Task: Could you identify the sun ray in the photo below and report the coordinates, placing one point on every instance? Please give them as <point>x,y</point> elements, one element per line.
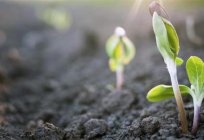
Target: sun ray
<point>133,12</point>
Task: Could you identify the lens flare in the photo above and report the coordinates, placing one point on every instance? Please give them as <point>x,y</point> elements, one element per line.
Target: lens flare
<point>133,12</point>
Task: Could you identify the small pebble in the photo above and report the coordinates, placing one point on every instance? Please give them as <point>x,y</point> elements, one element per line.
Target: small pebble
<point>95,127</point>
<point>150,125</point>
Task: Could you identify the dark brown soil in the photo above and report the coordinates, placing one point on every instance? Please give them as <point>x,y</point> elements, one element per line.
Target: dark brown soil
<point>59,87</point>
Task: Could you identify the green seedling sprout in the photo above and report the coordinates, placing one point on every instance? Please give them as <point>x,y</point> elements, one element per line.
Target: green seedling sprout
<point>168,45</point>
<point>120,51</point>
<point>57,18</point>
<point>195,71</point>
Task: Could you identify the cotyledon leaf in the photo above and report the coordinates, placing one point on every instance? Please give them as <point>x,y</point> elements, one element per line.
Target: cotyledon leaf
<point>161,36</point>
<point>162,92</point>
<point>179,61</point>
<point>166,37</point>
<point>129,50</point>
<point>115,65</point>
<point>172,37</point>
<point>112,64</point>
<point>118,53</point>
<point>111,44</point>
<point>195,71</point>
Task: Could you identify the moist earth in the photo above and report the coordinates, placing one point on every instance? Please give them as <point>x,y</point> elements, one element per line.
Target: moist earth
<point>59,87</point>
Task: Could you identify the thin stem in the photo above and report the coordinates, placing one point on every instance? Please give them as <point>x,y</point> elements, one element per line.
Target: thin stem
<point>196,118</point>
<point>179,101</point>
<point>119,79</point>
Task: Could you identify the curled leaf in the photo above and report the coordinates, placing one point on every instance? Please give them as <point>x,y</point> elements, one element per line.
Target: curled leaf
<point>129,50</point>
<point>166,37</point>
<point>111,44</point>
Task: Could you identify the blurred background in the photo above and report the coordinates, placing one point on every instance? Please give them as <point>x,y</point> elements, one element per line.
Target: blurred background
<point>48,34</point>
<point>70,26</point>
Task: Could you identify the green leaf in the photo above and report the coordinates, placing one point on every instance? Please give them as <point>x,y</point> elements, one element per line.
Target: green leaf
<point>179,61</point>
<point>172,37</point>
<point>129,50</point>
<point>162,92</point>
<point>195,71</point>
<point>114,65</point>
<point>111,44</point>
<point>166,37</point>
<point>118,53</point>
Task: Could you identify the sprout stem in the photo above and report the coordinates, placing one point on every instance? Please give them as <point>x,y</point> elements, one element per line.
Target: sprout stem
<point>179,101</point>
<point>119,79</point>
<point>196,118</point>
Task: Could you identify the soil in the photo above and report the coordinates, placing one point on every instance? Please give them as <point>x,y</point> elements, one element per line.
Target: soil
<point>57,86</point>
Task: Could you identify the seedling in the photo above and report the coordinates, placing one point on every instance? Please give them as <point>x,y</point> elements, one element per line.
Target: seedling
<point>120,51</point>
<point>57,18</point>
<point>195,71</point>
<point>168,45</point>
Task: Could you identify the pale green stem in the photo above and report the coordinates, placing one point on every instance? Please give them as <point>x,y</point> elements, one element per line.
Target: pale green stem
<point>179,101</point>
<point>119,79</point>
<point>196,118</point>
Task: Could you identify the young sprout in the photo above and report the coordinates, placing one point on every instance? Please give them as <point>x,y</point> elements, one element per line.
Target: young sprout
<point>57,18</point>
<point>195,71</point>
<point>120,51</point>
<point>168,45</point>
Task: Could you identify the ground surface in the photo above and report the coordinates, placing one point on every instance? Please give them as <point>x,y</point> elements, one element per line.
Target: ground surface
<point>57,86</point>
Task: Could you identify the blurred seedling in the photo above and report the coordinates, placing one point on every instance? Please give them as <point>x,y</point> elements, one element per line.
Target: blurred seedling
<point>57,18</point>
<point>120,51</point>
<point>168,45</point>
